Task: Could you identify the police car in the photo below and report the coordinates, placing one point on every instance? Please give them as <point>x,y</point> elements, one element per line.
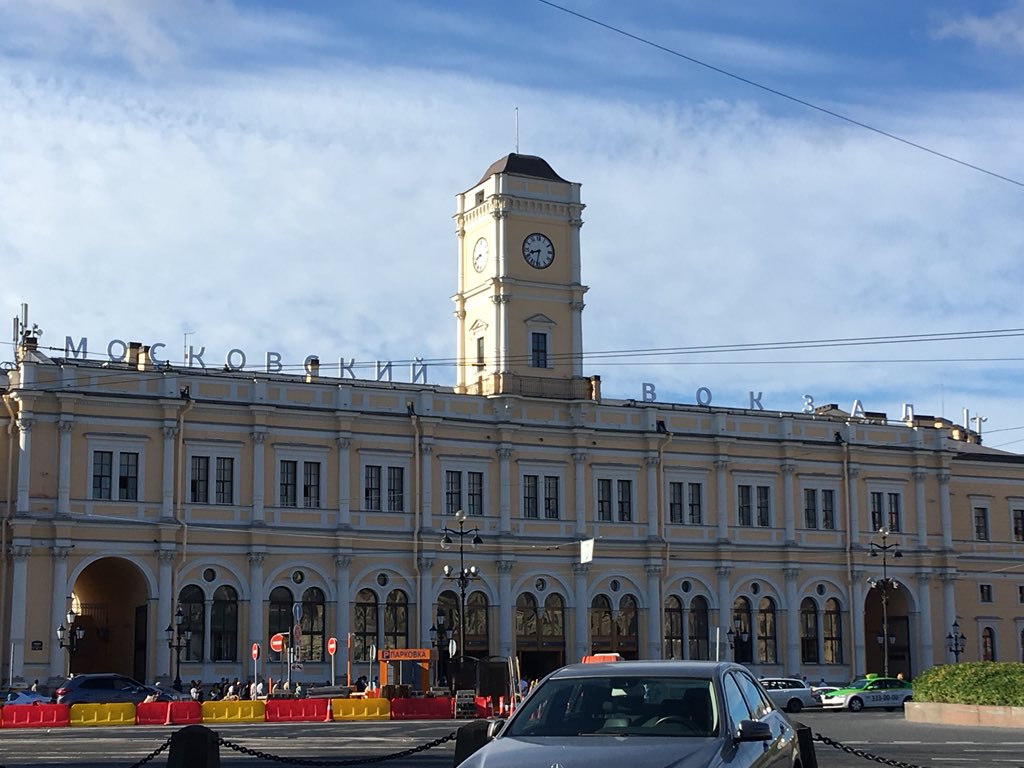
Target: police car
<point>869,691</point>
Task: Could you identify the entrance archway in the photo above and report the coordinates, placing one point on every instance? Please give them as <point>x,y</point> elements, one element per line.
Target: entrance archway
<point>110,598</point>
<point>899,640</point>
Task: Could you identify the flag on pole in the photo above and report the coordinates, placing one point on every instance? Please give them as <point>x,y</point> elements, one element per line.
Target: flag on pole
<point>586,550</point>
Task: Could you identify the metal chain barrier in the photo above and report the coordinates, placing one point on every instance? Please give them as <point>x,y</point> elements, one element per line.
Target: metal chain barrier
<point>862,753</point>
<point>152,754</point>
<point>354,761</point>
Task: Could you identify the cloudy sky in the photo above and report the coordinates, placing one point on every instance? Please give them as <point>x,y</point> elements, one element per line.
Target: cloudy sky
<point>280,176</point>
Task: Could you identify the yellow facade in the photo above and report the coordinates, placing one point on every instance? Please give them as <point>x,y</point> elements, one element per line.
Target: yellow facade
<point>131,490</point>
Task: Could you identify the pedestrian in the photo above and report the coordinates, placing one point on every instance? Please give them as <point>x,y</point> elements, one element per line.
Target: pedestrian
<point>259,689</point>
<point>524,686</point>
<point>35,686</point>
<point>194,691</point>
<point>899,675</point>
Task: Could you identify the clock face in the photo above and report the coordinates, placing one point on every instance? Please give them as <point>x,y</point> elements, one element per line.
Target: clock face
<point>538,250</point>
<point>480,255</point>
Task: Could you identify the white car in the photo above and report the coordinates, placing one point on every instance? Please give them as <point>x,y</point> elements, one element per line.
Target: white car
<point>790,693</point>
<point>870,691</point>
<point>24,697</point>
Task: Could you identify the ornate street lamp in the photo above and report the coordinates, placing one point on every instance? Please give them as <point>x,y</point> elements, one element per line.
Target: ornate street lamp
<point>465,575</point>
<point>885,584</point>
<point>955,642</point>
<point>732,637</point>
<point>439,639</point>
<point>74,635</point>
<point>178,640</point>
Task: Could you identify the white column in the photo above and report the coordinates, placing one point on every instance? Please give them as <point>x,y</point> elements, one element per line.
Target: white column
<point>859,659</point>
<point>170,431</point>
<point>256,631</point>
<point>19,591</point>
<point>792,622</point>
<point>426,484</point>
<point>577,337</point>
<point>788,503</point>
<point>64,427</point>
<point>949,599</point>
<point>579,461</point>
<point>342,621</point>
<point>582,601</point>
<point>921,509</point>
<point>721,498</point>
<point>651,465</point>
<point>945,510</point>
<point>59,605</point>
<point>655,626</point>
<point>926,653</point>
<point>164,611</point>
<point>855,514</point>
<point>506,608</point>
<point>259,437</point>
<point>724,610</point>
<point>344,482</point>
<point>24,464</point>
<point>505,489</point>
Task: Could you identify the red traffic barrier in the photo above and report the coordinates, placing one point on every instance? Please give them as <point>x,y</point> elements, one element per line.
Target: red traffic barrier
<point>34,715</point>
<point>153,713</point>
<point>484,708</point>
<point>297,710</point>
<point>438,708</point>
<point>185,713</point>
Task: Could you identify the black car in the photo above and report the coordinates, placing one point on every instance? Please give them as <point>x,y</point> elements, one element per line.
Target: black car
<point>643,714</point>
<point>108,688</point>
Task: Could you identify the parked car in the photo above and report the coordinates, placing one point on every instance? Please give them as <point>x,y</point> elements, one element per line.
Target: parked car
<point>821,690</point>
<point>108,688</point>
<point>870,691</point>
<point>791,693</point>
<point>642,714</point>
<point>24,697</point>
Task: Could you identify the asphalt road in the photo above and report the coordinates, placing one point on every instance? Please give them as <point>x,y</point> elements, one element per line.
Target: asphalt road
<point>883,734</point>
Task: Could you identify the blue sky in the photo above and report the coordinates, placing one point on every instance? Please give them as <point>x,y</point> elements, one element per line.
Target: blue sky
<point>280,176</point>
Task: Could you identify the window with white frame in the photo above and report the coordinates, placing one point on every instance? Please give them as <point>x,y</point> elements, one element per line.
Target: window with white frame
<point>1017,518</point>
<point>614,500</point>
<point>820,508</point>
<point>886,510</point>
<point>539,329</point>
<point>384,483</point>
<point>541,496</point>
<point>464,489</point>
<point>754,505</point>
<point>686,502</point>
<point>300,477</point>
<point>985,593</point>
<point>980,523</point>
<point>213,469</point>
<point>116,468</point>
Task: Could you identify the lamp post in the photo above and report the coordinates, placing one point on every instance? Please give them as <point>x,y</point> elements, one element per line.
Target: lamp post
<point>465,575</point>
<point>74,635</point>
<point>955,642</point>
<point>885,584</point>
<point>438,638</point>
<point>178,640</point>
<point>733,636</point>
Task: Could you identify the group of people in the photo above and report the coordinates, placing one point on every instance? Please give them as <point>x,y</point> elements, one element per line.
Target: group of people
<point>227,690</point>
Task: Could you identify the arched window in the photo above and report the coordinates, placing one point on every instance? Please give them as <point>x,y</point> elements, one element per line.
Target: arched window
<point>396,620</point>
<point>833,632</point>
<point>673,628</point>
<point>364,632</point>
<point>627,637</point>
<point>313,624</point>
<point>193,605</point>
<point>526,620</point>
<point>280,616</point>
<point>767,650</point>
<point>601,625</point>
<point>552,621</point>
<point>698,629</point>
<point>224,625</point>
<point>988,644</point>
<point>476,625</point>
<point>742,645</point>
<point>808,631</point>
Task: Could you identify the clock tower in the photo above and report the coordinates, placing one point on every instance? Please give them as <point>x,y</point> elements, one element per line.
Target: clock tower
<point>519,306</point>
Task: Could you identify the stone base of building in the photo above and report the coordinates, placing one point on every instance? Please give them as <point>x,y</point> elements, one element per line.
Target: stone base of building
<point>964,714</point>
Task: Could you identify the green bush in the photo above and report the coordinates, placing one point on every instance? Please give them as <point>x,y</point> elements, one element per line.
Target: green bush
<point>988,683</point>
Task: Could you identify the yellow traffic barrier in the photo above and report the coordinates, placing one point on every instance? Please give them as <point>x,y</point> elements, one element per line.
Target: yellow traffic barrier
<point>102,714</point>
<point>243,711</point>
<point>361,709</point>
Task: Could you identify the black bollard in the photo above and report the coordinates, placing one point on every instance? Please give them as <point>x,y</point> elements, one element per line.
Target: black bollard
<point>194,746</point>
<point>470,738</point>
<point>805,740</point>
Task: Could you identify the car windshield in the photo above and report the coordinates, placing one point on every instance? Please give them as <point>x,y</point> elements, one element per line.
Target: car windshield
<point>860,682</point>
<point>604,705</point>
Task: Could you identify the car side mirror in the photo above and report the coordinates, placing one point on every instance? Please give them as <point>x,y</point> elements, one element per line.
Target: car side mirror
<point>493,727</point>
<point>753,730</point>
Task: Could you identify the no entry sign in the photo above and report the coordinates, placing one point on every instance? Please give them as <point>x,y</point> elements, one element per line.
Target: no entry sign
<point>255,651</point>
<point>332,645</point>
<point>277,643</point>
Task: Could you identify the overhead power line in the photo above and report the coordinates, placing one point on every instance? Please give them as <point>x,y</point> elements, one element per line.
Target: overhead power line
<point>781,94</point>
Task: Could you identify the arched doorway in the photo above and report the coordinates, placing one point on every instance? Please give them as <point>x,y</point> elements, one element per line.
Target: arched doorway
<point>895,618</point>
<point>110,598</point>
<point>540,634</point>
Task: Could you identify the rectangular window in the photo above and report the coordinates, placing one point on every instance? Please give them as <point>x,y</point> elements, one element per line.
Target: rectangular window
<point>311,484</point>
<point>538,350</point>
<point>1020,593</point>
<point>455,481</point>
<point>820,508</point>
<point>685,503</point>
<point>200,481</point>
<point>480,353</point>
<point>980,524</point>
<point>102,474</point>
<point>551,498</point>
<point>810,508</point>
<point>289,483</point>
<point>604,500</point>
<point>675,502</point>
<point>828,510</point>
<point>894,512</point>
<point>225,480</point>
<point>985,593</point>
<point>696,504</point>
<point>1018,525</point>
<point>396,489</point>
<point>475,497</point>
<point>452,492</point>
<point>764,510</point>
<point>371,488</point>
<point>744,506</point>
<point>128,478</point>
<point>625,500</point>
<point>876,511</point>
<point>530,497</point>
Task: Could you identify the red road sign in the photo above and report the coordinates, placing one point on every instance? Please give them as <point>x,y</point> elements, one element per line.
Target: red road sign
<point>332,645</point>
<point>255,651</point>
<point>277,643</point>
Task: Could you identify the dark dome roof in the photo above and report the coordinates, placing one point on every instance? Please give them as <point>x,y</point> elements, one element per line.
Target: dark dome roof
<point>523,165</point>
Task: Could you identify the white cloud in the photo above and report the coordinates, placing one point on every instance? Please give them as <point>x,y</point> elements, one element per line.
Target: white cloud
<point>1003,30</point>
